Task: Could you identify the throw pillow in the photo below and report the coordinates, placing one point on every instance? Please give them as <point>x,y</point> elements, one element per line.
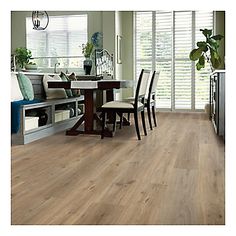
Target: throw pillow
<point>65,78</point>
<point>16,94</point>
<point>26,87</point>
<point>53,93</point>
<point>75,92</point>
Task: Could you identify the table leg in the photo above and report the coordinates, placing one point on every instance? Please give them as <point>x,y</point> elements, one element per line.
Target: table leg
<point>90,109</point>
<point>73,131</point>
<point>88,117</point>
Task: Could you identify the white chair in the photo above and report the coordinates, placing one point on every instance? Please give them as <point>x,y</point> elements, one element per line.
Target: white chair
<point>135,106</point>
<point>150,100</point>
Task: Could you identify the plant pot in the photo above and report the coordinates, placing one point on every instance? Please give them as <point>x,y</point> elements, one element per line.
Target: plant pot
<point>31,67</point>
<point>87,66</point>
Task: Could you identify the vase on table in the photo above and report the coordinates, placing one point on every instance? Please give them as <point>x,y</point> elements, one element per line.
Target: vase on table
<point>87,66</point>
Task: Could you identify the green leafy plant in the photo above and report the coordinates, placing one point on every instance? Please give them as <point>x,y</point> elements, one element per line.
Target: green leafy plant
<point>87,49</point>
<point>23,56</point>
<point>207,50</point>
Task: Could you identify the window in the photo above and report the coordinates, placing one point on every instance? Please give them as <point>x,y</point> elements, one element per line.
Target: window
<point>63,38</point>
<point>163,41</point>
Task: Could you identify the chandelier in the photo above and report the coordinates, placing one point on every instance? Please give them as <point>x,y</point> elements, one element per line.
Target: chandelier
<point>40,20</point>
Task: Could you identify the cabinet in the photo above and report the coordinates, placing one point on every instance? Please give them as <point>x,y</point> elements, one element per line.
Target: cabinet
<point>217,101</point>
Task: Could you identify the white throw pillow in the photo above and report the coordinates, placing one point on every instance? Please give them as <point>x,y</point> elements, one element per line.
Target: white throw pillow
<point>53,93</point>
<point>16,94</point>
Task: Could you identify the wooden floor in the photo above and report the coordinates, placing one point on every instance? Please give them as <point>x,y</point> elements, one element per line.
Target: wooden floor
<point>175,175</point>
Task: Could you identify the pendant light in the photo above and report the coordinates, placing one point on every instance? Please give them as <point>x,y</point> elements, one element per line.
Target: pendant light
<point>40,20</point>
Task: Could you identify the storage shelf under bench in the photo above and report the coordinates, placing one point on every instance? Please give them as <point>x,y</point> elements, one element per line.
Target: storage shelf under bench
<point>29,132</point>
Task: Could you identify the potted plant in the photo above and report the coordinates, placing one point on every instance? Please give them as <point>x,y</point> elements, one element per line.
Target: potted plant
<point>207,50</point>
<point>31,66</point>
<point>23,56</point>
<point>87,50</point>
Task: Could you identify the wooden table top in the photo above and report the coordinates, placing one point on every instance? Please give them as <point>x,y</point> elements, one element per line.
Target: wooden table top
<point>99,84</point>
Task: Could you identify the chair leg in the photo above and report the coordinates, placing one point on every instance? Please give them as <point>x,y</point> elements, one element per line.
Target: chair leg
<point>128,116</point>
<point>136,125</point>
<point>149,116</point>
<point>154,116</point>
<point>114,121</point>
<point>143,121</point>
<point>121,119</point>
<point>103,124</point>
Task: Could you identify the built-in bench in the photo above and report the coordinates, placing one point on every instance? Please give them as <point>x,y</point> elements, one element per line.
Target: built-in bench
<point>55,115</point>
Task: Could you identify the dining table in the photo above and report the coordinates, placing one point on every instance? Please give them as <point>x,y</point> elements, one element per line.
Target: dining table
<point>90,121</point>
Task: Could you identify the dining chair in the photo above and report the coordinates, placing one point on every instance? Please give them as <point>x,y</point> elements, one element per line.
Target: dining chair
<point>135,106</point>
<point>150,100</point>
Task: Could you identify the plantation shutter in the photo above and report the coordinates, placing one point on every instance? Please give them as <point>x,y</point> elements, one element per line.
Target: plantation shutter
<point>163,41</point>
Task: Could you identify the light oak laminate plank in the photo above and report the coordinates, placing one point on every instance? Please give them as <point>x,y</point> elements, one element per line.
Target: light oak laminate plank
<point>175,175</point>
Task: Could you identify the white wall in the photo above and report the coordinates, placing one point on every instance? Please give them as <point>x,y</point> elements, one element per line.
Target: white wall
<point>118,32</point>
<point>18,29</point>
<point>112,26</point>
<point>123,22</point>
<point>118,67</point>
<point>127,50</point>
